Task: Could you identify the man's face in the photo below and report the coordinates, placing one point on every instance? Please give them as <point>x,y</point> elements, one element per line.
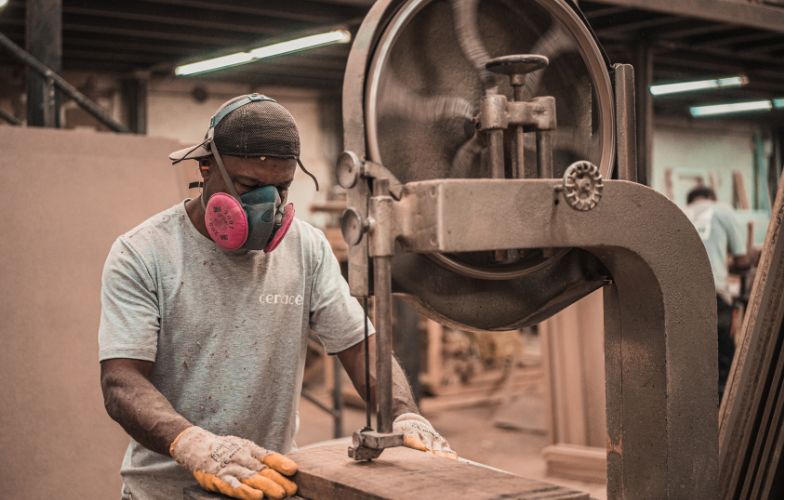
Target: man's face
<point>250,173</point>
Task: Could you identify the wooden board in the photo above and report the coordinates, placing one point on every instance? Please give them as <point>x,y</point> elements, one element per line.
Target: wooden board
<point>582,463</point>
<point>402,473</point>
<point>66,196</point>
<point>740,200</point>
<point>751,414</point>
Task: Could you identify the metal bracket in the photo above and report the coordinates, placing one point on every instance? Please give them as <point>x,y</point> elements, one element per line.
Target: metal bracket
<point>369,444</point>
<point>350,168</point>
<point>498,113</point>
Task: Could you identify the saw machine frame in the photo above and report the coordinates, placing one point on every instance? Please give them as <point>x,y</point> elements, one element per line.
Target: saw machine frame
<point>660,345</point>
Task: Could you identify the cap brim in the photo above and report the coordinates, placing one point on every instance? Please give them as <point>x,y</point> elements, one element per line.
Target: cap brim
<point>190,153</point>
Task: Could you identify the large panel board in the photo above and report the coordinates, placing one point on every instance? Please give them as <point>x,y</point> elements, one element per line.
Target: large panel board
<point>66,195</point>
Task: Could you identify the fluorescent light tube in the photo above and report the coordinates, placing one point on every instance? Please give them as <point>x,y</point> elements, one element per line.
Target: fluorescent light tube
<point>679,87</point>
<point>275,49</point>
<point>777,103</point>
<point>3,3</point>
<point>733,107</point>
<point>306,42</point>
<point>212,64</point>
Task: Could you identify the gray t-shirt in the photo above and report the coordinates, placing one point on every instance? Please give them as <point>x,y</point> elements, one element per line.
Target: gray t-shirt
<point>226,332</point>
<point>720,233</point>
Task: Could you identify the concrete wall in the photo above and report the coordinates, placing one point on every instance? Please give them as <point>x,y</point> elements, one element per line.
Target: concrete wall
<point>66,196</point>
<point>708,150</point>
<point>699,148</point>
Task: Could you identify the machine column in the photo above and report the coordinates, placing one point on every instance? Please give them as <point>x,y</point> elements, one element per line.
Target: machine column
<point>382,249</point>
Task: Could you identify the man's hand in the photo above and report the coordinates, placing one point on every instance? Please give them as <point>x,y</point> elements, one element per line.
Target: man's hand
<point>420,435</point>
<point>234,466</point>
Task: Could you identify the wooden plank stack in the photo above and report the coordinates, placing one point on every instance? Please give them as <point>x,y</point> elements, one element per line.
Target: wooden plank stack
<point>751,415</point>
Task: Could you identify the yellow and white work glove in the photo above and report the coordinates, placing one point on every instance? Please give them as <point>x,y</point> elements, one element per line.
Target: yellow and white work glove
<point>420,435</point>
<point>234,466</point>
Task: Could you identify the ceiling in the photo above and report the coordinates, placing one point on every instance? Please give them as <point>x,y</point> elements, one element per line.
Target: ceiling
<point>122,37</point>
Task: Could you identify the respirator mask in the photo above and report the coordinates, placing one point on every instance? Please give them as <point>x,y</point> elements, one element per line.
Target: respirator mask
<point>256,220</point>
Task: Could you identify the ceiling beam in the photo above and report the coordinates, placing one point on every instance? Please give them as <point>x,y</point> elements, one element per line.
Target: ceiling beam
<point>271,79</point>
<point>351,3</point>
<point>691,28</point>
<point>741,38</point>
<point>732,55</point>
<point>641,25</point>
<point>760,50</point>
<point>668,46</point>
<point>163,35</point>
<point>126,44</point>
<point>137,59</point>
<point>602,11</point>
<point>297,10</point>
<point>725,11</point>
<point>179,17</point>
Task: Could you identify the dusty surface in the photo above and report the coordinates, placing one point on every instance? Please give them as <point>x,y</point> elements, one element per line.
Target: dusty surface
<point>470,432</point>
<point>325,471</point>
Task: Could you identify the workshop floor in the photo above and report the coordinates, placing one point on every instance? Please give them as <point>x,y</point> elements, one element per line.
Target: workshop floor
<point>470,432</point>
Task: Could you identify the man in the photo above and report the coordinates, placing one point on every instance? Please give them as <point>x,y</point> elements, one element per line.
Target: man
<point>720,233</point>
<point>206,311</point>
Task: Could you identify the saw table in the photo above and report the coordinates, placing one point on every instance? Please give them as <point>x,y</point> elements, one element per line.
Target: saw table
<point>325,472</point>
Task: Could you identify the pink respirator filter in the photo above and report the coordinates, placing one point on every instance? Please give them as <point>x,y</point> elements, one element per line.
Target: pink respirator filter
<point>226,221</point>
<point>288,217</point>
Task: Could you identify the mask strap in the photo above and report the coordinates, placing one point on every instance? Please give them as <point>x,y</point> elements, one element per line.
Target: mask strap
<point>223,171</point>
<point>303,168</point>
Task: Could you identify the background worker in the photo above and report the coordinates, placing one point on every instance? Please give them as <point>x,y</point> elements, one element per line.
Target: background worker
<point>206,312</point>
<point>716,222</point>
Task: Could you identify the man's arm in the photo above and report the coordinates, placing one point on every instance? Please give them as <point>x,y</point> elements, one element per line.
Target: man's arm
<point>230,465</point>
<point>132,400</point>
<point>353,361</point>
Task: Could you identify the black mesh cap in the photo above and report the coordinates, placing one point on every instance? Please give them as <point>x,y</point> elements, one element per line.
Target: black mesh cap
<point>258,128</point>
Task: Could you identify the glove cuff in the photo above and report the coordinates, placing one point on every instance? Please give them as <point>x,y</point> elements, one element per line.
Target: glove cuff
<point>412,417</point>
<point>178,437</point>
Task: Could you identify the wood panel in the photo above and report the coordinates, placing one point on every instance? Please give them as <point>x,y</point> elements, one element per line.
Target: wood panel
<point>751,414</point>
<point>66,196</point>
<point>573,355</point>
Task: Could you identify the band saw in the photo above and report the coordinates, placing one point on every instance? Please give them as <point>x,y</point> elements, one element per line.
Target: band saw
<point>491,181</point>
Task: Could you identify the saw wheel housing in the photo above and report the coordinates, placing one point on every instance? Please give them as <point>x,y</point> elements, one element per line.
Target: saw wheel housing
<point>423,83</point>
